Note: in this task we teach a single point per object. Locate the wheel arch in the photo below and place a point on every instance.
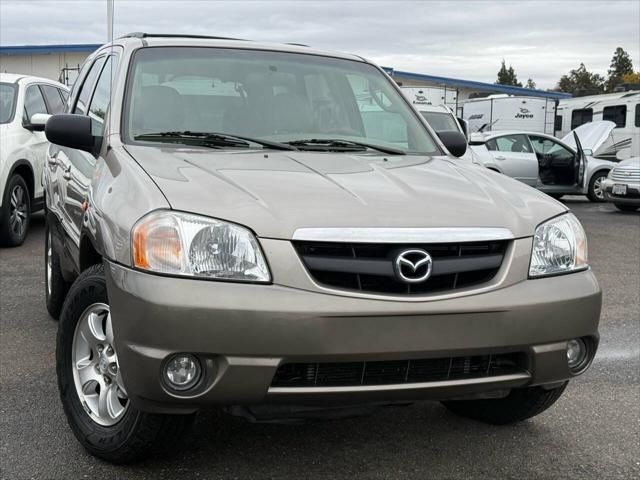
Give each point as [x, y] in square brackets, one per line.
[600, 170]
[88, 254]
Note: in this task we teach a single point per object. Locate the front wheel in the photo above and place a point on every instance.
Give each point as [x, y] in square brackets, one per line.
[93, 395]
[626, 208]
[16, 214]
[520, 404]
[595, 192]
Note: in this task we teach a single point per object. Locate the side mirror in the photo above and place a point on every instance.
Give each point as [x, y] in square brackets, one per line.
[454, 141]
[37, 122]
[464, 126]
[72, 131]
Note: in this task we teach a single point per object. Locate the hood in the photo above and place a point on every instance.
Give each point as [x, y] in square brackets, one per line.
[592, 135]
[630, 162]
[274, 193]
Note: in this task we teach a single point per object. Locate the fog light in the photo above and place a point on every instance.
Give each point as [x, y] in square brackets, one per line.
[577, 354]
[182, 371]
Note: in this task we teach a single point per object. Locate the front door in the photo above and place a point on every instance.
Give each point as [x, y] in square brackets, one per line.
[559, 165]
[514, 157]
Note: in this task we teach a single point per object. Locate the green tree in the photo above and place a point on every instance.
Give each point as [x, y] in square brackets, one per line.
[530, 84]
[507, 76]
[621, 65]
[580, 79]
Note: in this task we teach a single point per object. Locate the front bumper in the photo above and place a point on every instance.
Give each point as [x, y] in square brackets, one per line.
[631, 198]
[243, 332]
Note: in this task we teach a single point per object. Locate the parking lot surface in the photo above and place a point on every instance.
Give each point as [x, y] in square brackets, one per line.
[592, 432]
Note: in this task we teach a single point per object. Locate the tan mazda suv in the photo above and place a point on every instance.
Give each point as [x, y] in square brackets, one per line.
[275, 231]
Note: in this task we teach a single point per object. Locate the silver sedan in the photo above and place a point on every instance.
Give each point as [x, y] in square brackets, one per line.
[557, 167]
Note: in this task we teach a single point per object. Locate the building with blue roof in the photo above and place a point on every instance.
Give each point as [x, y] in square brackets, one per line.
[57, 62]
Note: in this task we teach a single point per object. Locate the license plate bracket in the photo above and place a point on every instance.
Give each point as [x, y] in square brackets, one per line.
[619, 189]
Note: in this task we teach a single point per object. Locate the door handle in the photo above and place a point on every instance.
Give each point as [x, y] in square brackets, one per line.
[500, 157]
[67, 173]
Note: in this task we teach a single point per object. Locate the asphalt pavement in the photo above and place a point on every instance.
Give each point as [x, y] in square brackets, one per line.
[592, 432]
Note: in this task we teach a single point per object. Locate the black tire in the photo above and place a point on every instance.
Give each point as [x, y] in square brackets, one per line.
[13, 234]
[136, 435]
[56, 291]
[520, 404]
[591, 191]
[626, 208]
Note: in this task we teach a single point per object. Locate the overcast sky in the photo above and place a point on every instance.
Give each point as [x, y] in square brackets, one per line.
[463, 39]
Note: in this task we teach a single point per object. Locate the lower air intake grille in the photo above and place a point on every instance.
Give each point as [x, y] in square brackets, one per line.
[397, 371]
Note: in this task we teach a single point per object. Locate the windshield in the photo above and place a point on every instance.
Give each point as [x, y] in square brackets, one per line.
[441, 121]
[272, 96]
[7, 101]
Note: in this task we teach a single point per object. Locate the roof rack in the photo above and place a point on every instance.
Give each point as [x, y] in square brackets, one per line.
[174, 35]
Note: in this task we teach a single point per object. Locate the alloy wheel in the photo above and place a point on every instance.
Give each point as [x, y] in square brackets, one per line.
[96, 372]
[18, 211]
[597, 188]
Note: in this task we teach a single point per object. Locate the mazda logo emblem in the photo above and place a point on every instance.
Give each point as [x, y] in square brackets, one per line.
[413, 266]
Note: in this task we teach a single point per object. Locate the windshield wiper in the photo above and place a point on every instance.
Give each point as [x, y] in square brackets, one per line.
[345, 145]
[212, 139]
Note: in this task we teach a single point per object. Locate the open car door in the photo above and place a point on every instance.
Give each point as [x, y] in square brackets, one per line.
[580, 165]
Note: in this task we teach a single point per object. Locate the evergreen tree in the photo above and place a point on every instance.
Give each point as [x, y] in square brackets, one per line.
[620, 65]
[507, 76]
[530, 84]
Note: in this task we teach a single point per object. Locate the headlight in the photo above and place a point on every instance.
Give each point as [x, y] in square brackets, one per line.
[177, 243]
[559, 246]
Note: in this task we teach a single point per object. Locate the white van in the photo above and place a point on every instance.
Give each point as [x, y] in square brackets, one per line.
[505, 112]
[621, 108]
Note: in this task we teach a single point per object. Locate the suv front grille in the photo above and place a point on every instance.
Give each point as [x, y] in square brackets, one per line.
[370, 267]
[626, 174]
[395, 372]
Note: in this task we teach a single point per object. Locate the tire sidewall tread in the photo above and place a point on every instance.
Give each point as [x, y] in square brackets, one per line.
[137, 434]
[7, 239]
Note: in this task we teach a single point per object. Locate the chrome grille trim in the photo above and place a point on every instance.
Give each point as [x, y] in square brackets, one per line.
[625, 174]
[403, 235]
[523, 377]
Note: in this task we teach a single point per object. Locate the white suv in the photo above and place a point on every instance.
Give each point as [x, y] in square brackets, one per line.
[25, 103]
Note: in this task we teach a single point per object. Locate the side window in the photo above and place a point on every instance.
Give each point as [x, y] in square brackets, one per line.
[64, 94]
[616, 114]
[513, 143]
[53, 99]
[637, 122]
[557, 124]
[33, 102]
[87, 87]
[100, 100]
[580, 117]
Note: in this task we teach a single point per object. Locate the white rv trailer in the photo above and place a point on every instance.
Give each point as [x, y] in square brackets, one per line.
[425, 96]
[506, 112]
[622, 108]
